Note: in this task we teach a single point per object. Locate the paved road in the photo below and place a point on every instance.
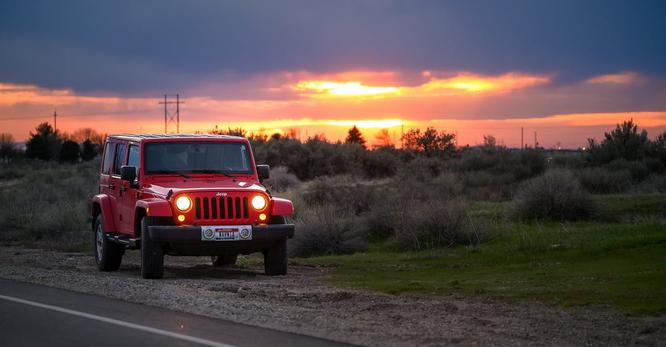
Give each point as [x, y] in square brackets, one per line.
[34, 315]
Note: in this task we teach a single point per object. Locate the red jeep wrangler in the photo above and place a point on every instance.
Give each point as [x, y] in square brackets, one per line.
[198, 195]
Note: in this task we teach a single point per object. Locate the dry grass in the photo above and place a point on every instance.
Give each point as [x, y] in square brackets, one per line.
[556, 195]
[49, 201]
[324, 230]
[281, 180]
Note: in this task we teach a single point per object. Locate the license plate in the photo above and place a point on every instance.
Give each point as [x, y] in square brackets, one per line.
[226, 232]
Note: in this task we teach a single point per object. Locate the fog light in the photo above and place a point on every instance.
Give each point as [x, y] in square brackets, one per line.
[262, 217]
[181, 218]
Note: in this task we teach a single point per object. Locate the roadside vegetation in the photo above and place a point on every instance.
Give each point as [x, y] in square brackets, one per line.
[621, 264]
[568, 227]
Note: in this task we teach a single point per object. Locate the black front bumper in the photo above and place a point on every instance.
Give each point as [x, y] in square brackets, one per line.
[186, 240]
[171, 233]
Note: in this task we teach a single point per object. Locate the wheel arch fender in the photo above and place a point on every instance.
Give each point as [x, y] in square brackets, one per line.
[101, 204]
[155, 207]
[152, 207]
[282, 207]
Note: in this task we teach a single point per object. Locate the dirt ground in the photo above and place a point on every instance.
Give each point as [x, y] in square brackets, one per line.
[302, 302]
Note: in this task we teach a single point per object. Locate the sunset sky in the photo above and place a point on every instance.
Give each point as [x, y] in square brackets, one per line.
[567, 70]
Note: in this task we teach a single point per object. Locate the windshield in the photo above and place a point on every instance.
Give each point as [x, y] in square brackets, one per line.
[196, 157]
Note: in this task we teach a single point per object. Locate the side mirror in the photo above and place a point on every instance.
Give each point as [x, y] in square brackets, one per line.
[264, 172]
[128, 173]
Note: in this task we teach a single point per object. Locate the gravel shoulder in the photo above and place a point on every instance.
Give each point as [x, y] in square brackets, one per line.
[303, 303]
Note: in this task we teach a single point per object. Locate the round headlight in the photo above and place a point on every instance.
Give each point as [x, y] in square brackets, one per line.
[183, 203]
[259, 202]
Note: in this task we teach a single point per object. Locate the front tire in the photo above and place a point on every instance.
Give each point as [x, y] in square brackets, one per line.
[108, 255]
[152, 255]
[275, 259]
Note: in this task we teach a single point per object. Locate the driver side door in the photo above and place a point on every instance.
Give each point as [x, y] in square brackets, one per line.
[129, 194]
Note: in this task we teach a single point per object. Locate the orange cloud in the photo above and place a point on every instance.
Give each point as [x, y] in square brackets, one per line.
[473, 83]
[470, 103]
[352, 88]
[462, 83]
[11, 94]
[617, 78]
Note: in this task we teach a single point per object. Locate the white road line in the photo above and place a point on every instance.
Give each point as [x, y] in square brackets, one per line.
[117, 322]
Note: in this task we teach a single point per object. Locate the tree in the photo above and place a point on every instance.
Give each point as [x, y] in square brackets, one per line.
[354, 136]
[383, 138]
[7, 147]
[44, 144]
[658, 148]
[430, 142]
[489, 144]
[624, 142]
[83, 134]
[69, 152]
[88, 150]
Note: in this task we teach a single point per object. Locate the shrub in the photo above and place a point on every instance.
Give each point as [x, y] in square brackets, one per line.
[556, 195]
[382, 162]
[432, 224]
[532, 163]
[50, 202]
[653, 184]
[281, 180]
[325, 230]
[482, 185]
[604, 181]
[421, 169]
[420, 214]
[342, 191]
[562, 161]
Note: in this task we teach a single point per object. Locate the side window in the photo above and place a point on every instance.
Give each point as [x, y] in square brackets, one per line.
[133, 157]
[108, 158]
[120, 157]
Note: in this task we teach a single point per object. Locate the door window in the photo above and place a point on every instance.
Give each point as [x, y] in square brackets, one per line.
[108, 158]
[133, 159]
[120, 157]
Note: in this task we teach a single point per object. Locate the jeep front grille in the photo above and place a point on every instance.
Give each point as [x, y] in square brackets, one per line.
[221, 208]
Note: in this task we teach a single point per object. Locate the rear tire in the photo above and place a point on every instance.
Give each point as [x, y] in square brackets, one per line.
[224, 260]
[108, 255]
[275, 259]
[152, 255]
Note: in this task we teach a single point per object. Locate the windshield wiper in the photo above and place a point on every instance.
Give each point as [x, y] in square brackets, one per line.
[182, 174]
[209, 171]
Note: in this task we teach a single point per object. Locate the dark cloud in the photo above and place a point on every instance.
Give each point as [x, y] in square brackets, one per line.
[148, 46]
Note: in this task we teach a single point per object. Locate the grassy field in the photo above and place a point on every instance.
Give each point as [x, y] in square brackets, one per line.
[617, 258]
[622, 264]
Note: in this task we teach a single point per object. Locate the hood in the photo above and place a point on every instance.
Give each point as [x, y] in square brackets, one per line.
[202, 185]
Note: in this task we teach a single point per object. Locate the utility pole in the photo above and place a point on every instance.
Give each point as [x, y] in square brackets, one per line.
[165, 113]
[55, 121]
[402, 134]
[522, 139]
[168, 117]
[535, 140]
[177, 114]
